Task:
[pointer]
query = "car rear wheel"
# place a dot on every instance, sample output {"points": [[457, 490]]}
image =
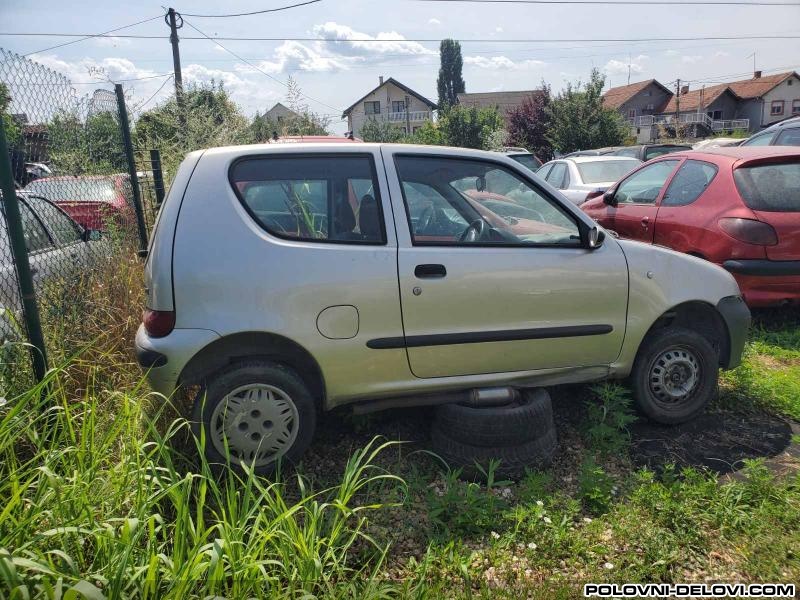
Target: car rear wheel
{"points": [[255, 414], [675, 375]]}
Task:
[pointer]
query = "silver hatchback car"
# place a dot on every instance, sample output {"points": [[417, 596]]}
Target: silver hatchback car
{"points": [[290, 279]]}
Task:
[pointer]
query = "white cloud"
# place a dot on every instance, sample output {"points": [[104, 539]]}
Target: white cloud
{"points": [[671, 53], [90, 69], [294, 56], [501, 62], [721, 54], [334, 31], [691, 59], [434, 21], [619, 67], [498, 29]]}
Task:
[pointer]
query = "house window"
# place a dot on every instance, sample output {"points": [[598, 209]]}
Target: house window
{"points": [[651, 107], [632, 113], [398, 106], [796, 107], [372, 108], [716, 115], [777, 108]]}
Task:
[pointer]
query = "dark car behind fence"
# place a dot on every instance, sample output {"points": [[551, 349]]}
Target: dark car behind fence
{"points": [[74, 203]]}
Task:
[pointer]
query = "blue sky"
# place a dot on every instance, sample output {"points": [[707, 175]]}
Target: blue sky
{"points": [[337, 74]]}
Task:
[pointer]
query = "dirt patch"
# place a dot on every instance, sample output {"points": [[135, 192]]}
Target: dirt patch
{"points": [[718, 441]]}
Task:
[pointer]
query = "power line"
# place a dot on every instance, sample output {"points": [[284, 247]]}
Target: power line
{"points": [[99, 81], [423, 40], [255, 12], [275, 79], [96, 35], [624, 2], [146, 102]]}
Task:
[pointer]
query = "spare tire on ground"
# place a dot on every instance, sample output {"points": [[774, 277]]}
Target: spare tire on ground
{"points": [[498, 426], [520, 436]]}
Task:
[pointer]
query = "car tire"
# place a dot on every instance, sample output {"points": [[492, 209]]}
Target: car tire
{"points": [[258, 413], [514, 460], [498, 426], [675, 375]]}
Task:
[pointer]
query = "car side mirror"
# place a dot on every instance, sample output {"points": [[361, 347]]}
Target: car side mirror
{"points": [[91, 235], [608, 198], [594, 237]]}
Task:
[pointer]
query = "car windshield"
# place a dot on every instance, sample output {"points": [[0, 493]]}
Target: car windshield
{"points": [[605, 171], [527, 160], [771, 188], [93, 190]]}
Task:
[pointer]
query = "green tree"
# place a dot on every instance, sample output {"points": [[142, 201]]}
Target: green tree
{"points": [[13, 130], [469, 127], [579, 121], [306, 122], [380, 131], [450, 82], [430, 134]]}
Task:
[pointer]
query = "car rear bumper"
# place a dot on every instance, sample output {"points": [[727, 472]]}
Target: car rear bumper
{"points": [[767, 282], [163, 359], [736, 315]]}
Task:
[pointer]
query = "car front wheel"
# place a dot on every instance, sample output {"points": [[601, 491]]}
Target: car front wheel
{"points": [[255, 414], [675, 375]]}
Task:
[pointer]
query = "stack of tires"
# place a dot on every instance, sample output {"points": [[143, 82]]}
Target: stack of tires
{"points": [[520, 434]]}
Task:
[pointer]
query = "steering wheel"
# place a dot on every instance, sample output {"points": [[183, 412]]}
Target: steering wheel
{"points": [[427, 218], [475, 232]]}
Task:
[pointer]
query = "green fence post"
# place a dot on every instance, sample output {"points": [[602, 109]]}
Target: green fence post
{"points": [[126, 140], [19, 253]]}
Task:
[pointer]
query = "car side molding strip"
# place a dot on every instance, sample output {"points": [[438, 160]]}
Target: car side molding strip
{"points": [[479, 337]]}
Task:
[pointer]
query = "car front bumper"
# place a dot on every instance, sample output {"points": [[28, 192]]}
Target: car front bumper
{"points": [[163, 359], [736, 315]]}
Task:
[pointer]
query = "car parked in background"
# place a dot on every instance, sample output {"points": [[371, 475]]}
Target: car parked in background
{"points": [[738, 207], [57, 247], [94, 201], [582, 178], [643, 152], [523, 157], [407, 293], [784, 133]]}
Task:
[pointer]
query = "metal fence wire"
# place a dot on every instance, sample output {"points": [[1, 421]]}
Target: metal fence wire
{"points": [[72, 165]]}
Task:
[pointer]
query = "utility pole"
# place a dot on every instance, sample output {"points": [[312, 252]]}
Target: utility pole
{"points": [[175, 22], [629, 69], [677, 104]]}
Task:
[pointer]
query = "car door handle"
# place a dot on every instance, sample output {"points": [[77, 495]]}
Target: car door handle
{"points": [[430, 271], [645, 222]]}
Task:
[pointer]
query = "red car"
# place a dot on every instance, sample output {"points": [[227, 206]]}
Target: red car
{"points": [[738, 207], [91, 200]]}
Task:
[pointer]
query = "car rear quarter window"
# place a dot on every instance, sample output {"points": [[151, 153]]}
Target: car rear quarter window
{"points": [[771, 187], [312, 198], [59, 224], [689, 183]]}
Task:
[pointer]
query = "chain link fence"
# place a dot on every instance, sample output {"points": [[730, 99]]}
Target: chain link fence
{"points": [[70, 164]]}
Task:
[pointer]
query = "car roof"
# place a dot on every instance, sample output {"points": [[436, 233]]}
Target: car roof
{"points": [[790, 122], [325, 139], [601, 158], [740, 152]]}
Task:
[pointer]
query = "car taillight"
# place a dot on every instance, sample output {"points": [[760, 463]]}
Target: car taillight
{"points": [[158, 323], [749, 231], [595, 193]]}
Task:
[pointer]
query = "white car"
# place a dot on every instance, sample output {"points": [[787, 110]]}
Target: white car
{"points": [[285, 279], [581, 178]]}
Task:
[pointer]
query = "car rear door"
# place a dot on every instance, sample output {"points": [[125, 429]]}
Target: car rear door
{"points": [[636, 200], [541, 301]]}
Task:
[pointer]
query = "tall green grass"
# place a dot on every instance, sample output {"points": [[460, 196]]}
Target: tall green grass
{"points": [[97, 502]]}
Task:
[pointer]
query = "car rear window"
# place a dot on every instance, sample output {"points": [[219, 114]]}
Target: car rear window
{"points": [[772, 187], [527, 160], [312, 198], [74, 190], [605, 171]]}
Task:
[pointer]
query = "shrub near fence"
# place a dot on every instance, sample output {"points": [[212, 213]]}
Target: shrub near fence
{"points": [[77, 194]]}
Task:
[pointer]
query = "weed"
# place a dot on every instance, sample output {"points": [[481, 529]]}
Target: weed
{"points": [[596, 487], [607, 421]]}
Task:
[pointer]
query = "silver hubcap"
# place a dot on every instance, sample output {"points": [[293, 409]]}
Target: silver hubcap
{"points": [[256, 423], [674, 375]]}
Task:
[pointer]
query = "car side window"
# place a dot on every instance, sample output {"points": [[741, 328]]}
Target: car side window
{"points": [[544, 171], [36, 237], [789, 137], [644, 186], [312, 198], [556, 176], [632, 152], [760, 140], [689, 183], [452, 201], [59, 224]]}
